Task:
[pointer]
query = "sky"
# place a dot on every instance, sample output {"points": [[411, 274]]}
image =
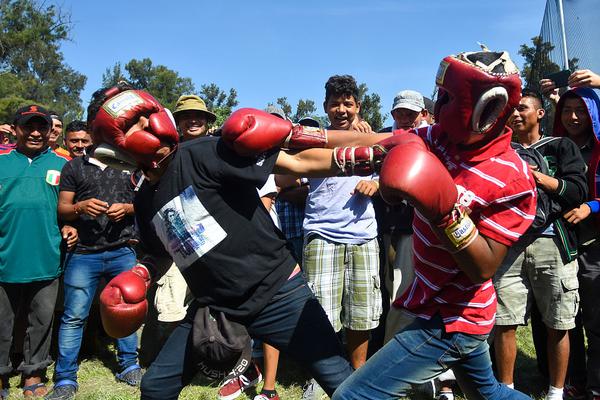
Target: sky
{"points": [[267, 49]]}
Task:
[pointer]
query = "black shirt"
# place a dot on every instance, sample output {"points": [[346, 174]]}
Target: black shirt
{"points": [[88, 180], [205, 214]]}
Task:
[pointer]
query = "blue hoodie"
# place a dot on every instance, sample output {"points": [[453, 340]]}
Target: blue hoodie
{"points": [[592, 102]]}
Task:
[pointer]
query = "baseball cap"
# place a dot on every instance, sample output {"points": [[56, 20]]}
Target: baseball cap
{"points": [[410, 100], [193, 102], [222, 347], [274, 110], [428, 104], [24, 114], [309, 121]]}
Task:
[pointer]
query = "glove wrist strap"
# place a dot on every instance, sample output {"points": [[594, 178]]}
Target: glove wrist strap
{"points": [[458, 228]]}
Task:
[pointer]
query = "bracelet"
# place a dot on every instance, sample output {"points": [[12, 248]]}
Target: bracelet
{"points": [[594, 205]]}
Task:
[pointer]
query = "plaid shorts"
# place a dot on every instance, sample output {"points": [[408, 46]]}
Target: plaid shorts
{"points": [[345, 279]]}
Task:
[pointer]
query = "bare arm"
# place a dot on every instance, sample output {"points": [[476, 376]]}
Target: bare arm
{"points": [[480, 260], [354, 138], [307, 163]]}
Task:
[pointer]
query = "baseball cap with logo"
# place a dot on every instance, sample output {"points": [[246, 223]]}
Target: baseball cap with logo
{"points": [[410, 100], [24, 114], [222, 347], [194, 103]]}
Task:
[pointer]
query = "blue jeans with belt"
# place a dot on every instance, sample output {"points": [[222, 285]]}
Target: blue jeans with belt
{"points": [[82, 275], [293, 322], [419, 353]]}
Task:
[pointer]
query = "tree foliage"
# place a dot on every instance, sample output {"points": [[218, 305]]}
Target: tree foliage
{"points": [[32, 67], [538, 63], [164, 83], [304, 108], [218, 101], [370, 107]]}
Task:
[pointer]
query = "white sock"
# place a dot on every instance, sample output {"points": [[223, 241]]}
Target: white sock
{"points": [[554, 393], [512, 385]]}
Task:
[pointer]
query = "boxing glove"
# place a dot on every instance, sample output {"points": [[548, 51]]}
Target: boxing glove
{"points": [[250, 132], [123, 110], [123, 304], [413, 173], [366, 160]]}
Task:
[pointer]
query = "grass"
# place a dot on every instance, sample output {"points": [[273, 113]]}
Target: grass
{"points": [[97, 382]]}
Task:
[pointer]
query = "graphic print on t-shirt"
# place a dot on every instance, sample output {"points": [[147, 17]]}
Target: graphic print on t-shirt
{"points": [[186, 228]]}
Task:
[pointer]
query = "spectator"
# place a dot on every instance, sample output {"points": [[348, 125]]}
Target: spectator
{"points": [[30, 241], [192, 117], [78, 138], [542, 267], [56, 134], [408, 111], [97, 200], [577, 117], [429, 116], [341, 253], [6, 136]]}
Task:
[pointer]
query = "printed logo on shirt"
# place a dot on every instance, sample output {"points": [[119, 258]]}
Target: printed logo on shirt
{"points": [[186, 228], [53, 177]]}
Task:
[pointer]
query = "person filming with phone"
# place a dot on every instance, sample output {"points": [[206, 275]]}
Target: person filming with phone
{"points": [[581, 78]]}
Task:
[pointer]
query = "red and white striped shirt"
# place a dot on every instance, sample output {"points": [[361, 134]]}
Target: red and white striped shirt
{"points": [[496, 185]]}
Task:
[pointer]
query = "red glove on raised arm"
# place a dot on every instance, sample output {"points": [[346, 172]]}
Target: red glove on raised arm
{"points": [[250, 132], [413, 173], [123, 304], [121, 111]]}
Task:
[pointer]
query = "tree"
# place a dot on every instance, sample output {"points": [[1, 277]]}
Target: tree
{"points": [[163, 83], [538, 63], [32, 68], [304, 108], [370, 107], [218, 102]]}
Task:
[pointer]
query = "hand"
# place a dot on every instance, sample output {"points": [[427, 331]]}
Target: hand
{"points": [[578, 214], [367, 188], [117, 211], [549, 89], [92, 207], [70, 236], [584, 78], [361, 125]]}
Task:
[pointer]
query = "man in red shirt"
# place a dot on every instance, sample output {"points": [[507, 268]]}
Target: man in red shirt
{"points": [[473, 198]]}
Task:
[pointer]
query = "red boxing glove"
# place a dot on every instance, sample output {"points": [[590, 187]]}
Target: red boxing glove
{"points": [[363, 160], [250, 132], [123, 304], [121, 111], [413, 173]]}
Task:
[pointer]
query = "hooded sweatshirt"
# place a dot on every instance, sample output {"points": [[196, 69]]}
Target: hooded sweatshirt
{"points": [[591, 154]]}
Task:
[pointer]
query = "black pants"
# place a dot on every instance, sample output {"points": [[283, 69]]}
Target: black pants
{"points": [[38, 300]]}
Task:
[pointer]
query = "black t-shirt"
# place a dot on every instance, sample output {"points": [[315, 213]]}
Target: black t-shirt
{"points": [[205, 214], [88, 180]]}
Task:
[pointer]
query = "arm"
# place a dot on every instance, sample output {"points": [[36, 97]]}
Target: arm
{"points": [[584, 78], [70, 211], [308, 163], [480, 260]]}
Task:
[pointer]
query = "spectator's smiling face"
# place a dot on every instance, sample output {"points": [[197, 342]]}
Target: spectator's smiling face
{"points": [[405, 118], [77, 142], [342, 111], [526, 116], [32, 137], [575, 118], [192, 123], [55, 132]]}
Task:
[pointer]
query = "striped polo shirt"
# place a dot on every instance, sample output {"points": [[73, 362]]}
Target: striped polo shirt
{"points": [[496, 185]]}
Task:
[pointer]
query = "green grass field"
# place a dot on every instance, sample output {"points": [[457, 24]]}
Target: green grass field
{"points": [[97, 382]]}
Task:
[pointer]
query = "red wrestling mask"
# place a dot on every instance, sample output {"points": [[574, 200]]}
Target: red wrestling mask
{"points": [[477, 93]]}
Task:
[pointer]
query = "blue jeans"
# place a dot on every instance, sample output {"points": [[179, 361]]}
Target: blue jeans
{"points": [[82, 274], [419, 353], [293, 322]]}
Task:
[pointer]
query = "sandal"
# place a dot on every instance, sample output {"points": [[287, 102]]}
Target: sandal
{"points": [[32, 388]]}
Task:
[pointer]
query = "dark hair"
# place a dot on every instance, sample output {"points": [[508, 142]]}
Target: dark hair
{"points": [[101, 95], [534, 95], [341, 85], [75, 126], [55, 115]]}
